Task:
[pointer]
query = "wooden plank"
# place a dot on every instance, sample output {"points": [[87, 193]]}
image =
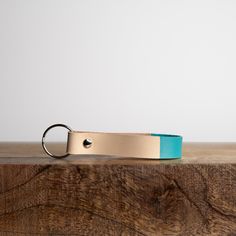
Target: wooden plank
{"points": [[91, 195]]}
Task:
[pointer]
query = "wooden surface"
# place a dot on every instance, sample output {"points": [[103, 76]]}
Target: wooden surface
{"points": [[94, 195]]}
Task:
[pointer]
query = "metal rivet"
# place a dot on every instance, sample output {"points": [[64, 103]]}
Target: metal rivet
{"points": [[87, 143]]}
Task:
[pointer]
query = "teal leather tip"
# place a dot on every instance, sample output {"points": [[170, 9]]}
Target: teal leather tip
{"points": [[170, 146]]}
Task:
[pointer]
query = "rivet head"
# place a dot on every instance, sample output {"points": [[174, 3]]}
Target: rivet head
{"points": [[87, 143]]}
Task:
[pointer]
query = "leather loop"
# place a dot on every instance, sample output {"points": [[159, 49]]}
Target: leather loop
{"points": [[138, 145]]}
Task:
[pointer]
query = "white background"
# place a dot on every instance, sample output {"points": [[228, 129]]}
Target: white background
{"points": [[119, 66]]}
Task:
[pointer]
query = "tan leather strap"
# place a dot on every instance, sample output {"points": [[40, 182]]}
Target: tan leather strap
{"points": [[115, 144]]}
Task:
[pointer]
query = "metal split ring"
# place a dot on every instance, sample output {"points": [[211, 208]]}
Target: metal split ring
{"points": [[44, 136]]}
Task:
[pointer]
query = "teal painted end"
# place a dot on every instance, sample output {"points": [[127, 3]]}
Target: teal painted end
{"points": [[170, 146]]}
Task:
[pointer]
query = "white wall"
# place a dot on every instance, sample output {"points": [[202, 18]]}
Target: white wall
{"points": [[146, 66]]}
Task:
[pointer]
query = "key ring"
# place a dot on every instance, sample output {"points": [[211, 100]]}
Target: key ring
{"points": [[44, 136]]}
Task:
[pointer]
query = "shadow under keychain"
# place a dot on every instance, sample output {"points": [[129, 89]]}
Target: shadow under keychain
{"points": [[137, 145]]}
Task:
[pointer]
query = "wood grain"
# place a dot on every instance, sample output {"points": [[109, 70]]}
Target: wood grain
{"points": [[94, 195]]}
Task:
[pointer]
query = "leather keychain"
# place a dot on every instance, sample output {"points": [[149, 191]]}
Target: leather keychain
{"points": [[137, 145]]}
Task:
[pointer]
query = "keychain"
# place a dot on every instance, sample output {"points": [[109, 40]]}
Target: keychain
{"points": [[137, 145]]}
